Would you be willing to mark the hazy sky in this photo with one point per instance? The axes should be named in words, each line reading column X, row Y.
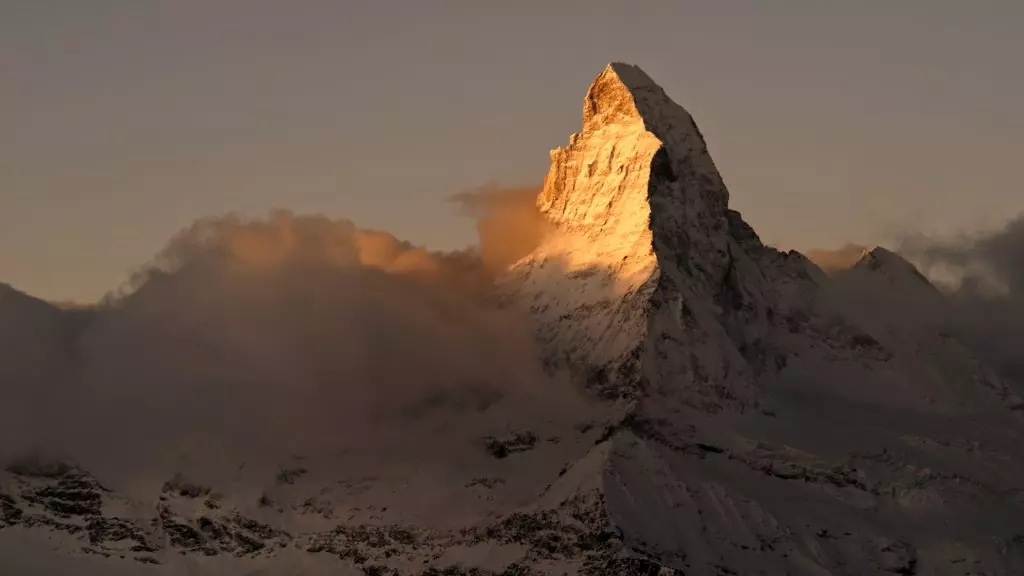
column 121, row 121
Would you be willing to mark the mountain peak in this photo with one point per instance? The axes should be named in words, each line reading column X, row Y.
column 630, row 75
column 632, row 130
column 640, row 218
column 613, row 96
column 890, row 264
column 624, row 95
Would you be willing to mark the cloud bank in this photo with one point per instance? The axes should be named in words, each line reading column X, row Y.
column 259, row 338
column 984, row 275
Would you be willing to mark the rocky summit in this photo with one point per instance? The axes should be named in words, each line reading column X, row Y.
column 752, row 415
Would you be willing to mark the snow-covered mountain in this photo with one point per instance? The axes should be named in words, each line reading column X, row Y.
column 745, row 413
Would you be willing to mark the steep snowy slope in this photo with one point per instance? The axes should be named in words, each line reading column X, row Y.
column 784, row 421
column 752, row 415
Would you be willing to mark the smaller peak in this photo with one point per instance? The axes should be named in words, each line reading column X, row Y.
column 878, row 257
column 889, row 263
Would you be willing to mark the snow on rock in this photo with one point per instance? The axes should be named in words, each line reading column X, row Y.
column 894, row 267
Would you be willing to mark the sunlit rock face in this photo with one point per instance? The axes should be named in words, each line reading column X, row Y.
column 590, row 283
column 643, row 251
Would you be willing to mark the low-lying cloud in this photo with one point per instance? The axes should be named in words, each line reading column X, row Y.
column 508, row 222
column 249, row 338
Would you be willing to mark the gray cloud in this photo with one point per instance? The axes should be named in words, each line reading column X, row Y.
column 984, row 275
column 256, row 338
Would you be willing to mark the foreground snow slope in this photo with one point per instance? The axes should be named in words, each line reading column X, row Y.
column 751, row 415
